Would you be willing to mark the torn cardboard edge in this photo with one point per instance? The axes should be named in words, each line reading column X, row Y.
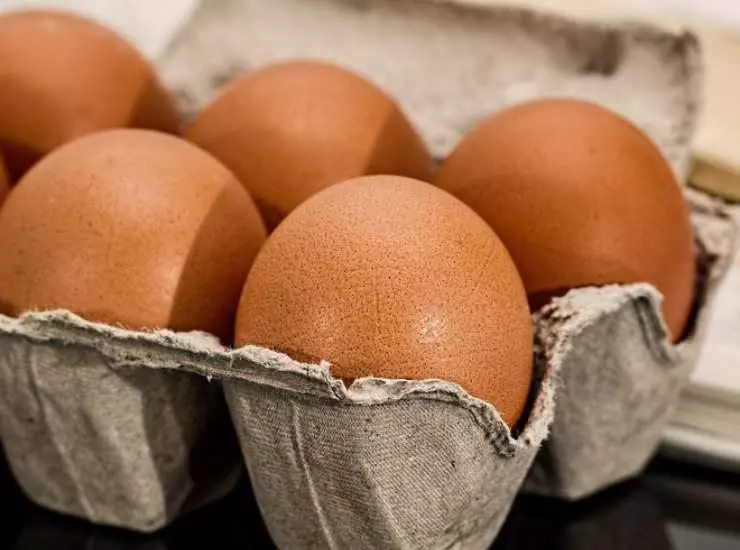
column 615, row 398
column 131, row 449
column 203, row 354
column 567, row 317
column 572, row 313
column 596, row 62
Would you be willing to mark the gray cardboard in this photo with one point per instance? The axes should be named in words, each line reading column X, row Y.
column 127, row 447
column 620, row 378
column 450, row 66
column 388, row 464
column 381, row 464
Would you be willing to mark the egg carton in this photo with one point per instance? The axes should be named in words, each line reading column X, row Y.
column 450, row 65
column 116, row 445
column 620, row 377
column 382, row 463
column 329, row 464
column 379, row 464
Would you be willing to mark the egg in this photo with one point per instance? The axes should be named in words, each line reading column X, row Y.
column 292, row 129
column 63, row 76
column 4, row 182
column 388, row 276
column 133, row 228
column 580, row 197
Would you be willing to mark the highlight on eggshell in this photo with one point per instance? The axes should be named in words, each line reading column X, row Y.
column 291, row 129
column 580, row 197
column 391, row 277
column 63, row 76
column 133, row 228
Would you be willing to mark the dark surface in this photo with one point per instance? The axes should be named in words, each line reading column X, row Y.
column 673, row 506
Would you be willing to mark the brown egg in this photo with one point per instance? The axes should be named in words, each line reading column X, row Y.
column 4, row 182
column 133, row 228
column 580, row 197
column 290, row 130
column 62, row 76
column 387, row 276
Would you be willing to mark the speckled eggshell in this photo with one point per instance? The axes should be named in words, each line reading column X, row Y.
column 390, row 277
column 63, row 76
column 133, row 228
column 4, row 182
column 580, row 197
column 290, row 130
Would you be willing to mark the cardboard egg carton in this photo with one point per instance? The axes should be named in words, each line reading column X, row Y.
column 328, row 463
column 450, row 65
column 113, row 443
column 382, row 463
column 620, row 378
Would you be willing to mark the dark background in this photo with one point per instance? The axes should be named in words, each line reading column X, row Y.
column 672, row 506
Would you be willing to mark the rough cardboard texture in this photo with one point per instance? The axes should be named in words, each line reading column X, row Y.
column 620, row 378
column 384, row 463
column 338, row 466
column 450, row 65
column 119, row 447
column 407, row 474
column 331, row 465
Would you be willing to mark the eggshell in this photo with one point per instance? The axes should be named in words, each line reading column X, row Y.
column 63, row 76
column 580, row 197
column 387, row 276
column 133, row 228
column 290, row 130
column 4, row 181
